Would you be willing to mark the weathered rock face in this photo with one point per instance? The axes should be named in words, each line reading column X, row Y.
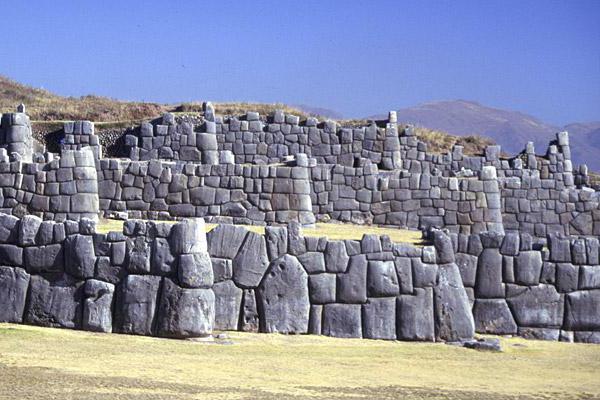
column 342, row 320
column 228, row 301
column 251, row 261
column 13, row 292
column 80, row 259
column 581, row 312
column 453, row 318
column 137, row 298
column 185, row 312
column 54, row 302
column 537, row 306
column 97, row 306
column 415, row 316
column 493, row 316
column 283, row 297
column 379, row 318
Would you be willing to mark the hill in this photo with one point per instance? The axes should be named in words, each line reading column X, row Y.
column 511, row 129
column 47, row 109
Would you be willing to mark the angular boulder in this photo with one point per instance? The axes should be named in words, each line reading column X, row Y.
column 379, row 318
column 342, row 320
column 55, row 302
column 185, row 313
column 13, row 292
column 251, row 261
column 228, row 300
column 283, row 297
column 135, row 308
column 97, row 306
column 493, row 316
column 414, row 316
column 452, row 311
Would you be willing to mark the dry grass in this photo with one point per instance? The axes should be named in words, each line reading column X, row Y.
column 52, row 363
column 333, row 231
column 49, row 110
column 45, row 106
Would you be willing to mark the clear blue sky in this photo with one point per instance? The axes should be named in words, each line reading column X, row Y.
column 355, row 57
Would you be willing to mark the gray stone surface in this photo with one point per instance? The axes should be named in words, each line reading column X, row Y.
column 97, row 306
column 251, row 261
column 184, row 313
column 452, row 311
column 283, row 297
column 493, row 316
column 414, row 316
column 55, row 302
column 13, row 292
column 379, row 318
column 342, row 320
column 135, row 309
column 536, row 306
column 228, row 300
column 195, row 270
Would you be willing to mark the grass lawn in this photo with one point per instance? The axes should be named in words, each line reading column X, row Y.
column 54, row 363
column 333, row 231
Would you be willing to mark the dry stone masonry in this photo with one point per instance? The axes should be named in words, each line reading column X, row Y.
column 510, row 243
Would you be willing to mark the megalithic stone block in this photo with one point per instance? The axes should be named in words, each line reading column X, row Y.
column 283, row 297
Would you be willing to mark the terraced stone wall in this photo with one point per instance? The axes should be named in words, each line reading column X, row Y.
column 245, row 194
column 407, row 199
column 65, row 187
column 150, row 279
column 531, row 287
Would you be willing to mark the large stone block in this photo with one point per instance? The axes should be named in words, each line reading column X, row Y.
column 139, row 255
column 443, row 247
column 225, row 240
column 249, row 319
column 283, row 296
column 11, row 255
column 453, row 318
column 582, row 311
column 493, row 316
column 251, row 261
column 277, row 241
column 228, row 300
column 379, row 318
column 536, row 306
column 13, row 292
column 312, row 261
column 135, row 308
column 195, row 270
column 184, row 313
column 97, row 306
column 56, row 302
column 342, row 320
column 336, row 257
column 164, row 261
column 414, row 316
column 321, row 288
column 528, row 268
column 352, row 285
column 467, row 265
column 382, row 280
column 80, row 258
column 189, row 236
column 42, row 259
column 28, row 229
column 488, row 282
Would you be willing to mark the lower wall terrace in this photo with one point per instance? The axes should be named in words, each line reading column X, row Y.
column 174, row 280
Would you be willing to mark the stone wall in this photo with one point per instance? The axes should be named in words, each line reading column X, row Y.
column 407, row 199
column 253, row 140
column 65, row 187
column 519, row 285
column 16, row 136
column 251, row 194
column 151, row 279
column 176, row 281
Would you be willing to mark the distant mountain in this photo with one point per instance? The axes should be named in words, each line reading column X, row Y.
column 511, row 129
column 319, row 111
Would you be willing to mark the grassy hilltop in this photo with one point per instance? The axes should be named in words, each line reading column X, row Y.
column 47, row 110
